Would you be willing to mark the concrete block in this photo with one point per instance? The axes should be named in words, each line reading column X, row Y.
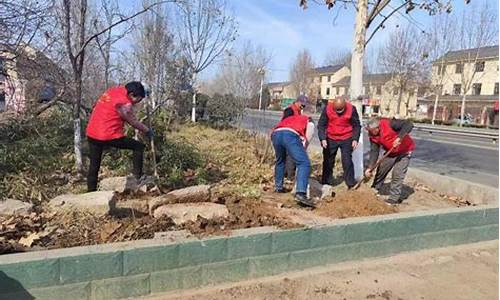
column 473, row 192
column 120, row 287
column 228, row 271
column 147, row 260
column 202, row 252
column 100, row 203
column 79, row 291
column 192, row 194
column 269, row 265
column 14, row 207
column 291, row 240
column 328, row 236
column 190, row 277
column 120, row 184
column 164, row 281
column 91, row 267
column 27, row 275
column 184, row 212
column 248, row 246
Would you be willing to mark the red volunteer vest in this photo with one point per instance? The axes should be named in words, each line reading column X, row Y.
column 387, row 136
column 105, row 123
column 295, row 109
column 495, row 107
column 295, row 122
column 339, row 126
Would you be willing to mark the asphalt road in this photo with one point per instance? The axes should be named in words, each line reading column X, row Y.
column 471, row 159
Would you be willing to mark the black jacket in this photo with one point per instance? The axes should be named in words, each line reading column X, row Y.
column 323, row 124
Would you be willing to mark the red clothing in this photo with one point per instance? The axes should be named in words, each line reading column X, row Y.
column 105, row 122
column 296, row 110
column 339, row 127
column 495, row 106
column 296, row 123
column 387, row 136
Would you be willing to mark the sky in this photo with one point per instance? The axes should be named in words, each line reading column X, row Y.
column 283, row 29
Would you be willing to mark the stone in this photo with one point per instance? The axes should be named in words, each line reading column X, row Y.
column 123, row 184
column 15, row 207
column 326, row 191
column 313, row 189
column 100, row 202
column 192, row 194
column 181, row 213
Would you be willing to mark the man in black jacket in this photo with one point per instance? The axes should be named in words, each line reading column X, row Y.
column 339, row 127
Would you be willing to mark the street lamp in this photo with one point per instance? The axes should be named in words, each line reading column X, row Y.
column 261, row 72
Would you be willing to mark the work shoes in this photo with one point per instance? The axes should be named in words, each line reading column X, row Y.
column 302, row 199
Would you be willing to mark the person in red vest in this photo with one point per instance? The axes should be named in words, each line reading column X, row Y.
column 287, row 138
column 293, row 109
column 392, row 135
column 106, row 128
column 339, row 127
column 296, row 107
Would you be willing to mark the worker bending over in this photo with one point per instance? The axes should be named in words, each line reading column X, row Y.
column 106, row 128
column 392, row 135
column 293, row 109
column 339, row 127
column 289, row 138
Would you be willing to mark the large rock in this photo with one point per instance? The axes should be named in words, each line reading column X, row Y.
column 314, row 189
column 183, row 212
column 192, row 194
column 124, row 184
column 100, row 203
column 14, row 207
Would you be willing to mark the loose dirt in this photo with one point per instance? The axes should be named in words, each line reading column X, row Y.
column 456, row 273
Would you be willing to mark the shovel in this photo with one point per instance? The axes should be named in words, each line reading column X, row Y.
column 374, row 167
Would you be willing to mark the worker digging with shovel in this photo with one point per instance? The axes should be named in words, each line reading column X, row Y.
column 393, row 136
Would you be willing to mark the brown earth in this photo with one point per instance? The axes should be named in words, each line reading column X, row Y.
column 246, row 190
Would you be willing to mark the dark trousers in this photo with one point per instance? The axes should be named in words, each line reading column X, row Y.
column 96, row 148
column 329, row 155
column 399, row 166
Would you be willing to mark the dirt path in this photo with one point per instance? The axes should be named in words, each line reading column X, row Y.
column 461, row 272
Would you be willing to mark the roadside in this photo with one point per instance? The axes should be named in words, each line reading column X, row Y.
column 459, row 272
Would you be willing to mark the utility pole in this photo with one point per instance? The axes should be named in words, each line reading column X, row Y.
column 358, row 53
column 261, row 72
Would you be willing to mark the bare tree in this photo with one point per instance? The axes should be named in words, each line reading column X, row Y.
column 205, row 31
column 240, row 73
column 108, row 14
column 302, row 74
column 404, row 55
column 338, row 57
column 77, row 35
column 443, row 37
column 478, row 28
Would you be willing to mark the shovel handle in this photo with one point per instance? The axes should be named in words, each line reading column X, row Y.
column 379, row 161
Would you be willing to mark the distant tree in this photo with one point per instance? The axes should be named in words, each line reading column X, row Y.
column 302, row 75
column 338, row 57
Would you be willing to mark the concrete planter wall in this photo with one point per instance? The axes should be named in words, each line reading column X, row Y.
column 141, row 268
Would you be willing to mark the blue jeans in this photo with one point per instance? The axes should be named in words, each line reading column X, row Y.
column 288, row 142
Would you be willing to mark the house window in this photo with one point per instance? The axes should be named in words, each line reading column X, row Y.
column 495, row 91
column 459, row 68
column 337, row 91
column 379, row 90
column 329, row 78
column 480, row 66
column 319, row 92
column 457, row 89
column 367, row 90
column 327, row 91
column 346, row 91
column 476, row 89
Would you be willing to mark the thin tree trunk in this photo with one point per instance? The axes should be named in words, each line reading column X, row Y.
column 462, row 110
column 400, row 99
column 77, row 126
column 357, row 78
column 193, row 110
column 436, row 102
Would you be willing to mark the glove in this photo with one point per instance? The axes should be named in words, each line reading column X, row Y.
column 150, row 133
